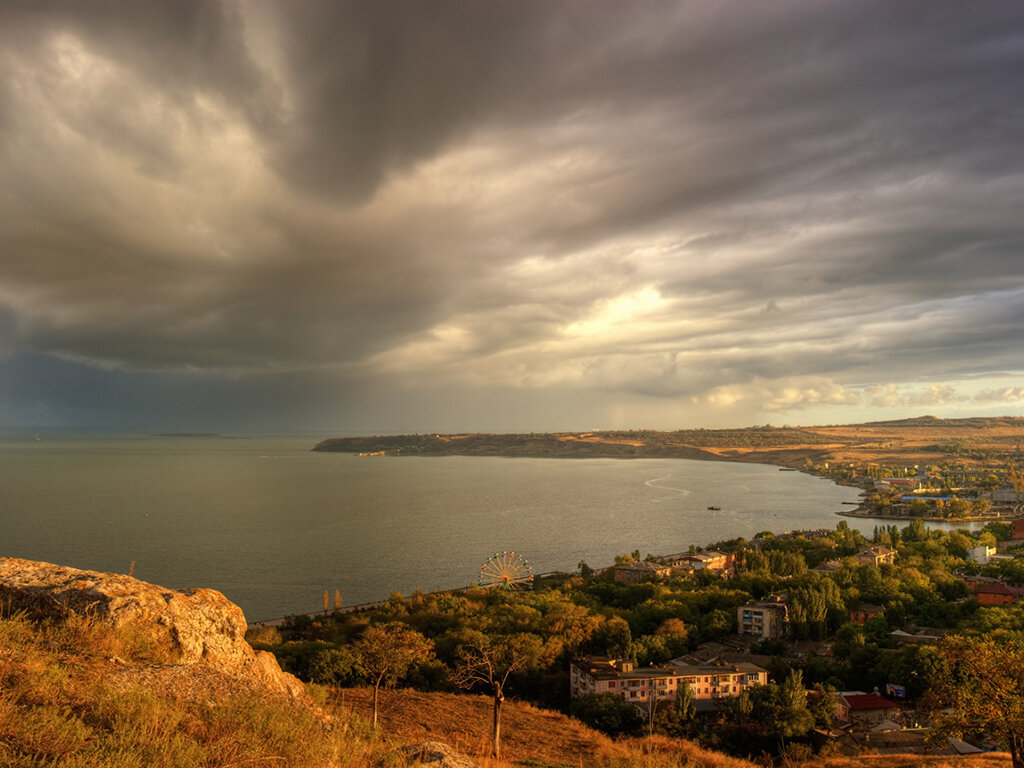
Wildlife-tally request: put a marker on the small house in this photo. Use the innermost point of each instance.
(634, 573)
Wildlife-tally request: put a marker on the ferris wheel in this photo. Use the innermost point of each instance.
(505, 570)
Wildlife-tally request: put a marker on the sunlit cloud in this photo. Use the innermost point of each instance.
(594, 212)
(1003, 395)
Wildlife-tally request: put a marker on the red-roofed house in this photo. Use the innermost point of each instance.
(1017, 529)
(998, 593)
(865, 710)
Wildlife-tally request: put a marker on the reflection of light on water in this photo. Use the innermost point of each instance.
(372, 527)
(652, 484)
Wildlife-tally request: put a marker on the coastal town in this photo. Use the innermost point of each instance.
(705, 643)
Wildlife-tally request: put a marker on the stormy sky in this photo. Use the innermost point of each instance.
(489, 215)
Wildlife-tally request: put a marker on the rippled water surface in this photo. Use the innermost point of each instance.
(272, 524)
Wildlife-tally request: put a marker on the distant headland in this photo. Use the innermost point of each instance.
(937, 469)
(906, 442)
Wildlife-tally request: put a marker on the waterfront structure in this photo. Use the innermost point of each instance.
(765, 618)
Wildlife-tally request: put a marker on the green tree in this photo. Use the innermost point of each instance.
(334, 666)
(916, 531)
(958, 508)
(978, 686)
(679, 719)
(822, 705)
(717, 623)
(786, 714)
(607, 712)
(614, 638)
(764, 717)
(387, 652)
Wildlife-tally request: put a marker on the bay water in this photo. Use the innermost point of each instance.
(272, 524)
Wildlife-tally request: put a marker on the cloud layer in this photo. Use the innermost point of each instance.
(643, 210)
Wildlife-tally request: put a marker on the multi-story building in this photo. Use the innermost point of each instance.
(718, 562)
(765, 618)
(708, 682)
(981, 554)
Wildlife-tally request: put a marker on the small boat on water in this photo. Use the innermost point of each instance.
(713, 507)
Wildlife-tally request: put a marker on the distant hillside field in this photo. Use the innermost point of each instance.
(924, 440)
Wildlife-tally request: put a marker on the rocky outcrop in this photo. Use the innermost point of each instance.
(436, 754)
(190, 626)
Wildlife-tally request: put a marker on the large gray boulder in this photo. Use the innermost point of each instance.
(436, 754)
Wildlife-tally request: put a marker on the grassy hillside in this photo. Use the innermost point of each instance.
(532, 736)
(77, 693)
(537, 737)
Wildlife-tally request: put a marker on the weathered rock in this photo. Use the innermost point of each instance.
(436, 752)
(193, 626)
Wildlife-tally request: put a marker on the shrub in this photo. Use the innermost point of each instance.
(608, 713)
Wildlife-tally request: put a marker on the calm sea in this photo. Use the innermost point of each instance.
(271, 524)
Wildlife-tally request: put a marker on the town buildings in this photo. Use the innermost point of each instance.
(876, 555)
(634, 573)
(719, 562)
(865, 710)
(981, 554)
(763, 619)
(707, 682)
(865, 612)
(998, 593)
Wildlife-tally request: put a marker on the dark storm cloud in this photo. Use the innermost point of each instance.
(651, 199)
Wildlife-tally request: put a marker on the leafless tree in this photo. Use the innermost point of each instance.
(489, 662)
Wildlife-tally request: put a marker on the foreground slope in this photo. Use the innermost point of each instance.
(538, 737)
(106, 671)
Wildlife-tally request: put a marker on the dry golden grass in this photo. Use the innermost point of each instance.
(536, 737)
(530, 735)
(892, 444)
(63, 702)
(589, 437)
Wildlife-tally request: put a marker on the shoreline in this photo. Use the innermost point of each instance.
(861, 513)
